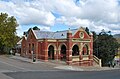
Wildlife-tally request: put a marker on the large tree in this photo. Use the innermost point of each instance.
(36, 28)
(87, 30)
(105, 46)
(8, 37)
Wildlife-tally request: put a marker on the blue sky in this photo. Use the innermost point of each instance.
(56, 15)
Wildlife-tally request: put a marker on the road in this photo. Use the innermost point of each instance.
(114, 74)
(16, 69)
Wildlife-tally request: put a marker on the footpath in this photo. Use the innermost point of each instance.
(62, 65)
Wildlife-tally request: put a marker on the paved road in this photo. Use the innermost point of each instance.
(17, 69)
(114, 74)
(14, 65)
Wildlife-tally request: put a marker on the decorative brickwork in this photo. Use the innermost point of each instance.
(75, 47)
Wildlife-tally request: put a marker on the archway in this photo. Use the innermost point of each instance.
(51, 52)
(63, 52)
(85, 50)
(75, 50)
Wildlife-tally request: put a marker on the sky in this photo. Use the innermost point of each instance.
(57, 15)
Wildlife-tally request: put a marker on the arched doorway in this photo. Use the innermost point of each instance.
(85, 50)
(63, 52)
(51, 52)
(75, 50)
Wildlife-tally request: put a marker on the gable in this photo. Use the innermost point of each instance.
(23, 42)
(81, 33)
(31, 36)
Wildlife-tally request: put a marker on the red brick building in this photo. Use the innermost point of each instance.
(73, 46)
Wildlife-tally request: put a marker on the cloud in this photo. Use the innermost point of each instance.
(19, 31)
(45, 28)
(73, 21)
(95, 14)
(28, 12)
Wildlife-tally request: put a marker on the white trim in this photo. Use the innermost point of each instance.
(81, 29)
(61, 45)
(74, 45)
(34, 34)
(88, 47)
(81, 35)
(52, 45)
(52, 40)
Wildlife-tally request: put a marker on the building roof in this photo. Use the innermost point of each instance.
(52, 35)
(43, 34)
(19, 42)
(63, 34)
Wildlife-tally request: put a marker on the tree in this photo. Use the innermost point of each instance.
(36, 28)
(8, 37)
(87, 30)
(105, 47)
(95, 37)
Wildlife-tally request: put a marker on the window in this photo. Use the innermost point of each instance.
(85, 50)
(29, 48)
(75, 50)
(33, 47)
(81, 35)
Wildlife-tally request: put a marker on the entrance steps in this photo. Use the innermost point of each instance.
(97, 61)
(95, 64)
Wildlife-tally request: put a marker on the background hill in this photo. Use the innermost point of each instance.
(116, 36)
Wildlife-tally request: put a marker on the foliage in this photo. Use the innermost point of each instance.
(105, 47)
(95, 47)
(118, 40)
(36, 28)
(8, 37)
(87, 30)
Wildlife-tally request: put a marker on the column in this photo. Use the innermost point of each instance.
(69, 48)
(45, 50)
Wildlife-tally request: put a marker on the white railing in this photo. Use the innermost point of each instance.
(97, 60)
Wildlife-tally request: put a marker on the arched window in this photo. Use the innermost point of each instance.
(75, 50)
(29, 48)
(85, 50)
(63, 52)
(51, 52)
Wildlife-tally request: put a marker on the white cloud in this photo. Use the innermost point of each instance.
(28, 12)
(99, 9)
(73, 21)
(45, 28)
(19, 31)
(95, 14)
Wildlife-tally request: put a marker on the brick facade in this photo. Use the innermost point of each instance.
(75, 49)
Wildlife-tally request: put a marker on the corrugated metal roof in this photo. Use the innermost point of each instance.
(52, 35)
(63, 34)
(43, 34)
